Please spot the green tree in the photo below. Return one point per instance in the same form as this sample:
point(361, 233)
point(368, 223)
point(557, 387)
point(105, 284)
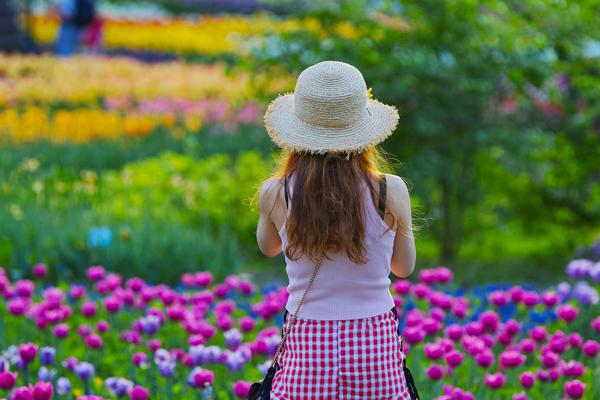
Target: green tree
point(469, 79)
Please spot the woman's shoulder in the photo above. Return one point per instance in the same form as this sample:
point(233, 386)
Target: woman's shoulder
point(398, 196)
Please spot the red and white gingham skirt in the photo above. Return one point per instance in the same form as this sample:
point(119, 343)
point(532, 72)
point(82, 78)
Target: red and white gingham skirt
point(343, 359)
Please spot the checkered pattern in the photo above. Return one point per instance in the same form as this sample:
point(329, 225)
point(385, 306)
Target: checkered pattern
point(344, 359)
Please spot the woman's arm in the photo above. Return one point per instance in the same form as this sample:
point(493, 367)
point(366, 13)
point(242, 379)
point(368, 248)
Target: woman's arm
point(267, 236)
point(404, 254)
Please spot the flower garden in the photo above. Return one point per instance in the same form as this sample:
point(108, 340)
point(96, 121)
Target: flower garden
point(128, 179)
point(110, 337)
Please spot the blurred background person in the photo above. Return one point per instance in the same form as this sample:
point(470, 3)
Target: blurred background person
point(75, 16)
point(92, 35)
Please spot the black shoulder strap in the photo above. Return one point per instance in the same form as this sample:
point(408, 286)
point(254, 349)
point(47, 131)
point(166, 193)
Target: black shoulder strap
point(382, 194)
point(285, 190)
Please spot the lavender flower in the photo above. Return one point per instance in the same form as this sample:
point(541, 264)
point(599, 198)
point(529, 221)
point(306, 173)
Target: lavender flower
point(150, 324)
point(84, 370)
point(205, 354)
point(4, 365)
point(161, 356)
point(579, 268)
point(63, 386)
point(595, 272)
point(233, 338)
point(45, 374)
point(234, 361)
point(264, 367)
point(585, 294)
point(167, 368)
point(118, 387)
point(563, 289)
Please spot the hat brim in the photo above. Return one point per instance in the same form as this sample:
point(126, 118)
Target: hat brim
point(289, 132)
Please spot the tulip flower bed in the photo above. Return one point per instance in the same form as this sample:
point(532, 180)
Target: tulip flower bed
point(116, 338)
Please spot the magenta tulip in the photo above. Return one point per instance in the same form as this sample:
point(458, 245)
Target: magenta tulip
point(241, 388)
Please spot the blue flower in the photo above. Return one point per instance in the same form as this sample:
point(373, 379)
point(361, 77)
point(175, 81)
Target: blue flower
point(99, 237)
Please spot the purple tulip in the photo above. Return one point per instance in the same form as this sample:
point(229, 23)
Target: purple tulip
point(47, 355)
point(84, 371)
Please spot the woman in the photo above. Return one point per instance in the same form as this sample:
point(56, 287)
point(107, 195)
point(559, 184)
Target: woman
point(329, 199)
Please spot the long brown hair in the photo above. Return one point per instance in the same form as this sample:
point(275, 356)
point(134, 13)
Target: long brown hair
point(326, 206)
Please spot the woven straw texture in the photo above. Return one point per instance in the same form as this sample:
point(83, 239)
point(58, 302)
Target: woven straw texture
point(329, 111)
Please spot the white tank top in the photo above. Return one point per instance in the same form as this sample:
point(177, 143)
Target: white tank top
point(343, 289)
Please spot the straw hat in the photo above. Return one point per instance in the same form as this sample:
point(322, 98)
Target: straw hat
point(330, 110)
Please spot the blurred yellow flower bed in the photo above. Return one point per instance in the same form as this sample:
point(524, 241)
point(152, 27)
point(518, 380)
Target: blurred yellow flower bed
point(209, 35)
point(86, 98)
point(47, 79)
point(80, 125)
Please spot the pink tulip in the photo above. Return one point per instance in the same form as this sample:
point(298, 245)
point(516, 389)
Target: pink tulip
point(596, 324)
point(402, 287)
point(454, 332)
point(444, 274)
point(527, 346)
point(61, 331)
point(246, 324)
point(516, 294)
point(538, 333)
point(574, 389)
point(550, 299)
point(95, 273)
point(530, 299)
point(27, 352)
point(550, 359)
point(203, 378)
point(93, 341)
point(24, 288)
point(433, 351)
point(43, 391)
point(40, 270)
point(485, 358)
point(102, 326)
point(241, 388)
point(519, 396)
point(511, 359)
point(22, 393)
point(18, 305)
point(590, 348)
point(88, 309)
point(7, 380)
point(435, 372)
point(527, 379)
point(454, 358)
point(573, 369)
point(567, 312)
point(498, 298)
point(490, 321)
point(512, 327)
point(138, 393)
point(494, 381)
